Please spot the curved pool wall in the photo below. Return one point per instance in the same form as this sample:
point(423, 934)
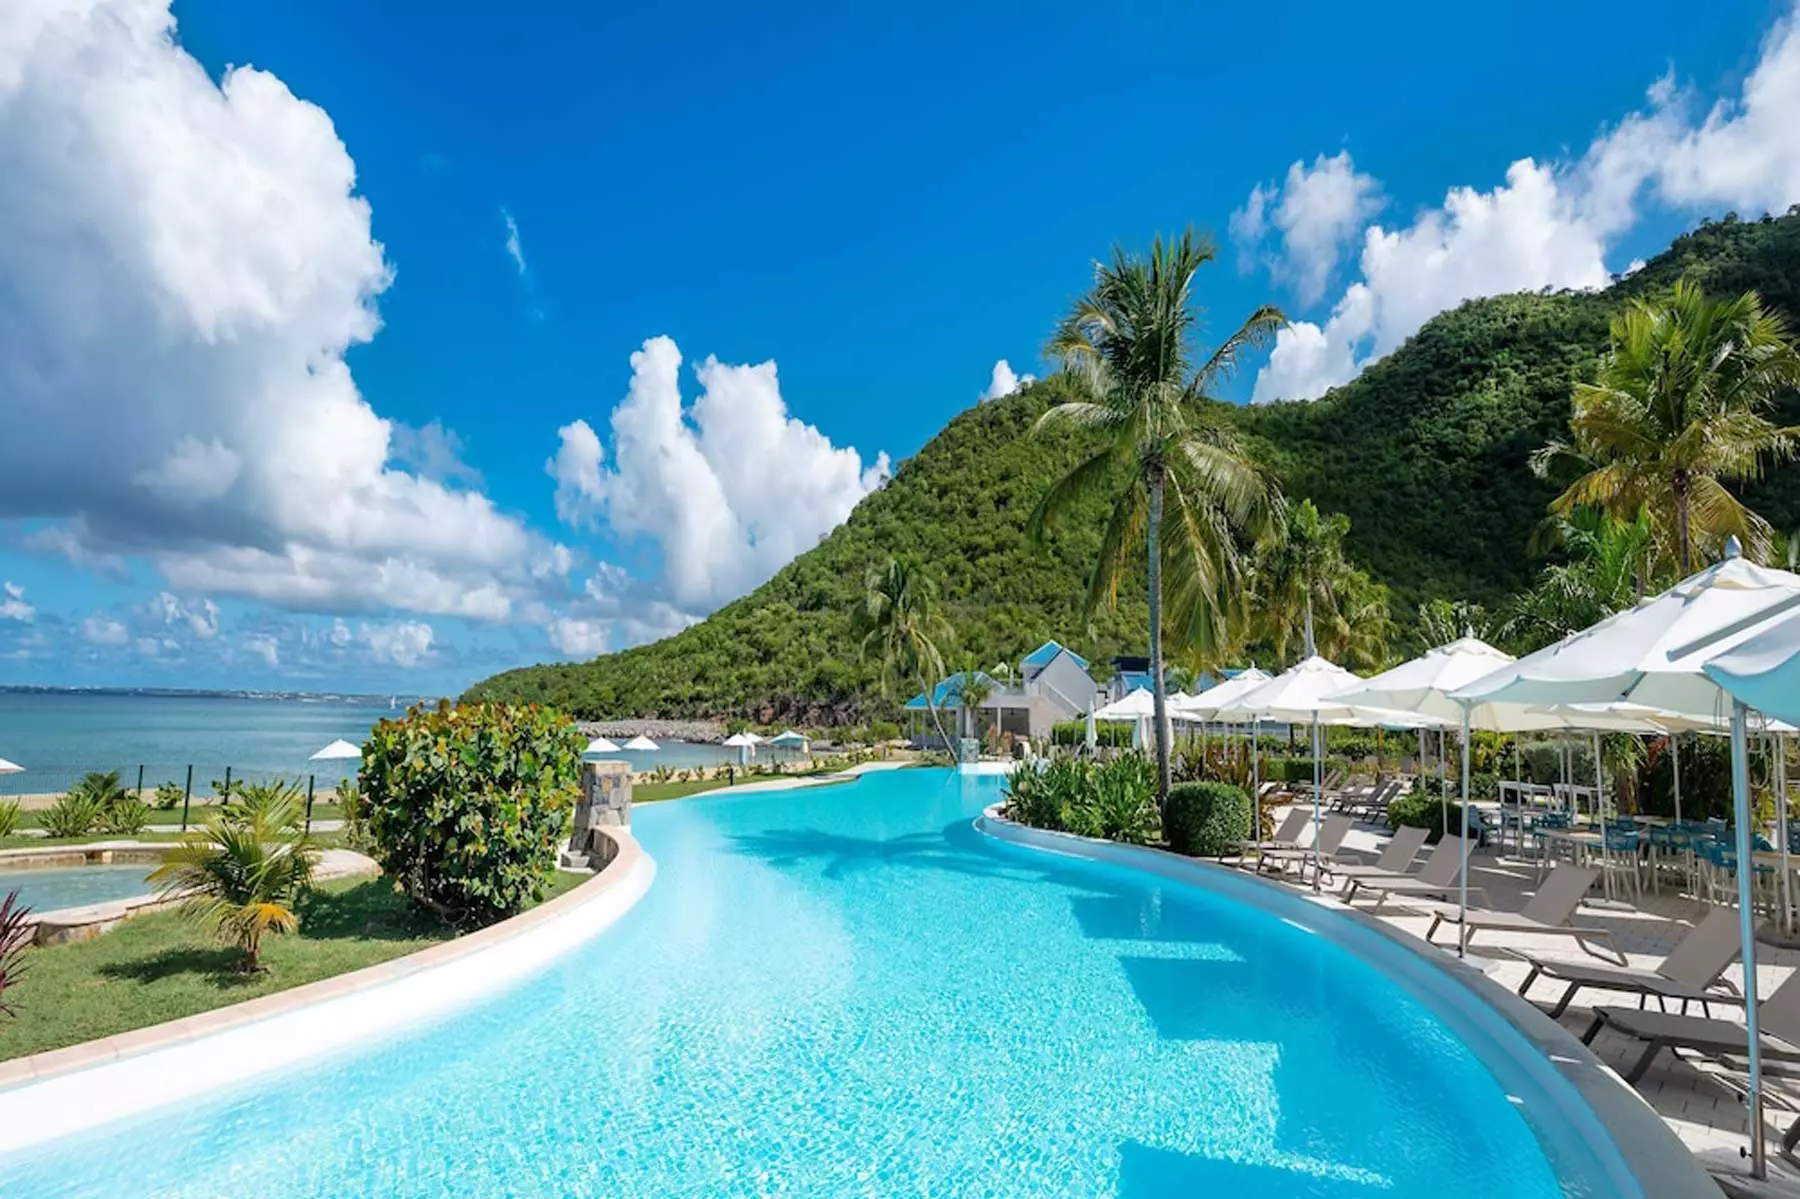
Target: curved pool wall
point(1588, 1120)
point(852, 991)
point(55, 1094)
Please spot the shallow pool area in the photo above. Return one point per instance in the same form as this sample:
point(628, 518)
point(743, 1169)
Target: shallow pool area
point(45, 889)
point(850, 991)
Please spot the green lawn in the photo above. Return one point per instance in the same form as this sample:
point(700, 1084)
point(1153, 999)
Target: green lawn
point(171, 817)
point(163, 966)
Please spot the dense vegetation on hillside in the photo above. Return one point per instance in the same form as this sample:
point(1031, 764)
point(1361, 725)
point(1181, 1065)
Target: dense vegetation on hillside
point(1426, 453)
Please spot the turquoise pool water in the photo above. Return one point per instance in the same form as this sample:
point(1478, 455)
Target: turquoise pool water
point(74, 886)
point(849, 992)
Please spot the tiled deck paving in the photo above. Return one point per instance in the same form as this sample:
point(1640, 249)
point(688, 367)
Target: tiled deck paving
point(1708, 1118)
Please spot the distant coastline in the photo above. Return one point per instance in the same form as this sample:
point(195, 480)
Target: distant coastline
point(383, 700)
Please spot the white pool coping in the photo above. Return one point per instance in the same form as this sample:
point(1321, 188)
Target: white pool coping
point(1657, 1161)
point(51, 1095)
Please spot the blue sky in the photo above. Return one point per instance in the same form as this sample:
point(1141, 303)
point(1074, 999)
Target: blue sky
point(882, 204)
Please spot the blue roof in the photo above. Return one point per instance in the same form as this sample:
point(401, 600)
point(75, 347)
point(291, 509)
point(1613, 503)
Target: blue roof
point(1131, 680)
point(1046, 653)
point(945, 693)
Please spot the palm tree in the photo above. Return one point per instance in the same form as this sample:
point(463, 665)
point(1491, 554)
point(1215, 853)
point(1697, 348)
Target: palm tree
point(1679, 407)
point(1442, 621)
point(242, 875)
point(1609, 569)
point(1128, 347)
point(902, 628)
point(1300, 580)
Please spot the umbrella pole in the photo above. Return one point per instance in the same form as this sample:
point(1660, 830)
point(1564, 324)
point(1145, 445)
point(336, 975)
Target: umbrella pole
point(1781, 817)
point(1740, 802)
point(1675, 753)
point(1256, 777)
point(1462, 885)
point(1318, 787)
point(1600, 815)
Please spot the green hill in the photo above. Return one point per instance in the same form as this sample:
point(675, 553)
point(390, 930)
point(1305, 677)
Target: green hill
point(1425, 452)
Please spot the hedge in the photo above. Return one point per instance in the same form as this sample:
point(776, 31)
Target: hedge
point(1206, 820)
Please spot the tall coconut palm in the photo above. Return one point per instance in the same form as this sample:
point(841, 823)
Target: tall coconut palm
point(1129, 348)
point(1301, 580)
point(1679, 408)
point(902, 629)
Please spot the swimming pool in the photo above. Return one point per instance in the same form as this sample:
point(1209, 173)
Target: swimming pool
point(849, 991)
point(46, 889)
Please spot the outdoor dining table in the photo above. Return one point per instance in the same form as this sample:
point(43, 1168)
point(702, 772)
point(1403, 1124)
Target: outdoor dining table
point(1582, 843)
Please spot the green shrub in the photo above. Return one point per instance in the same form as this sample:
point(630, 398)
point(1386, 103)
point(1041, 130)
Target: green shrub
point(76, 813)
point(1206, 820)
point(1300, 770)
point(1043, 798)
point(1420, 809)
point(883, 730)
point(125, 818)
point(276, 804)
point(466, 806)
point(1108, 734)
point(356, 824)
point(9, 817)
point(169, 796)
point(1120, 801)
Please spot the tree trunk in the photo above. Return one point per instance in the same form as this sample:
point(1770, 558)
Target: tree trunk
point(1683, 553)
point(1156, 648)
point(936, 720)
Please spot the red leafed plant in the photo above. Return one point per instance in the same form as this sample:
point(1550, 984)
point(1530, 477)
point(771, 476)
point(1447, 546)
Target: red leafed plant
point(15, 935)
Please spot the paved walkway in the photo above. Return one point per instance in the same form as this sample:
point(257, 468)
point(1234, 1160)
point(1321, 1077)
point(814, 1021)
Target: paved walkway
point(1709, 1118)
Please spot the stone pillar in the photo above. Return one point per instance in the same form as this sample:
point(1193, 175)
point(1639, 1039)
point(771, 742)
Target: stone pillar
point(605, 802)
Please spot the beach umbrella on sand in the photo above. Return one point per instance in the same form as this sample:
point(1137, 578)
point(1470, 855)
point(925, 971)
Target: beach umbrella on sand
point(743, 743)
point(641, 744)
point(600, 745)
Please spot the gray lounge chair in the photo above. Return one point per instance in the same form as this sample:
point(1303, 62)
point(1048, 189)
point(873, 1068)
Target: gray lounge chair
point(1547, 913)
point(1331, 838)
point(1437, 878)
point(1779, 1017)
point(1690, 973)
point(1395, 859)
point(1287, 836)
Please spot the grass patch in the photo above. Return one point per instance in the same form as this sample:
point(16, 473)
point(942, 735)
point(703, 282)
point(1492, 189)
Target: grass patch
point(164, 966)
point(329, 839)
point(170, 818)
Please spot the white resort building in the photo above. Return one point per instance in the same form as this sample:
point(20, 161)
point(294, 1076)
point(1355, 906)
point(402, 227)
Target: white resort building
point(1052, 686)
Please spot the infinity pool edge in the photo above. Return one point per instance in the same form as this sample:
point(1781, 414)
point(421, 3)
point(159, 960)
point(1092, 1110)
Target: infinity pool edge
point(54, 1094)
point(1655, 1157)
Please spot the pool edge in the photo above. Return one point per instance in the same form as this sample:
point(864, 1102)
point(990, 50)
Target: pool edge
point(60, 1092)
point(1658, 1161)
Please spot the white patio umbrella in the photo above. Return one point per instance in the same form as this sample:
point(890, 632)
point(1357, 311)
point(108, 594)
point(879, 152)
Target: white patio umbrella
point(10, 767)
point(1093, 735)
point(600, 745)
point(338, 751)
point(790, 740)
point(744, 743)
point(1206, 706)
point(1763, 671)
point(1139, 708)
point(1654, 655)
point(641, 744)
point(1301, 694)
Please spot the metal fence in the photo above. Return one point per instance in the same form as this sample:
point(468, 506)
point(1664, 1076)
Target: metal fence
point(177, 794)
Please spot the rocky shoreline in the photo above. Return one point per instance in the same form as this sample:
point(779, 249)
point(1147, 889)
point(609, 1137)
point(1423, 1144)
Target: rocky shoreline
point(700, 732)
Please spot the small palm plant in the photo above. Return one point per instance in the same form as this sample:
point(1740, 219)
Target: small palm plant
point(242, 874)
point(15, 935)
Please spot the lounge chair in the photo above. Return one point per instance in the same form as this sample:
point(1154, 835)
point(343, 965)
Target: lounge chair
point(1395, 859)
point(1690, 973)
point(1779, 1017)
point(1331, 839)
point(1287, 836)
point(1546, 914)
point(1373, 807)
point(1437, 878)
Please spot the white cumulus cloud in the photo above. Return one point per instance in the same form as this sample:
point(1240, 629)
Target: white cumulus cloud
point(104, 630)
point(1003, 382)
point(13, 605)
point(403, 643)
point(200, 617)
point(1548, 224)
point(264, 646)
point(1316, 214)
point(187, 264)
point(730, 488)
point(514, 250)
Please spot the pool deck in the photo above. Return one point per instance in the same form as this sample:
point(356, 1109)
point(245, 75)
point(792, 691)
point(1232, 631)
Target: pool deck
point(1708, 1118)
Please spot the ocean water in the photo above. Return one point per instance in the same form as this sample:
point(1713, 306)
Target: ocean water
point(58, 736)
point(847, 991)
